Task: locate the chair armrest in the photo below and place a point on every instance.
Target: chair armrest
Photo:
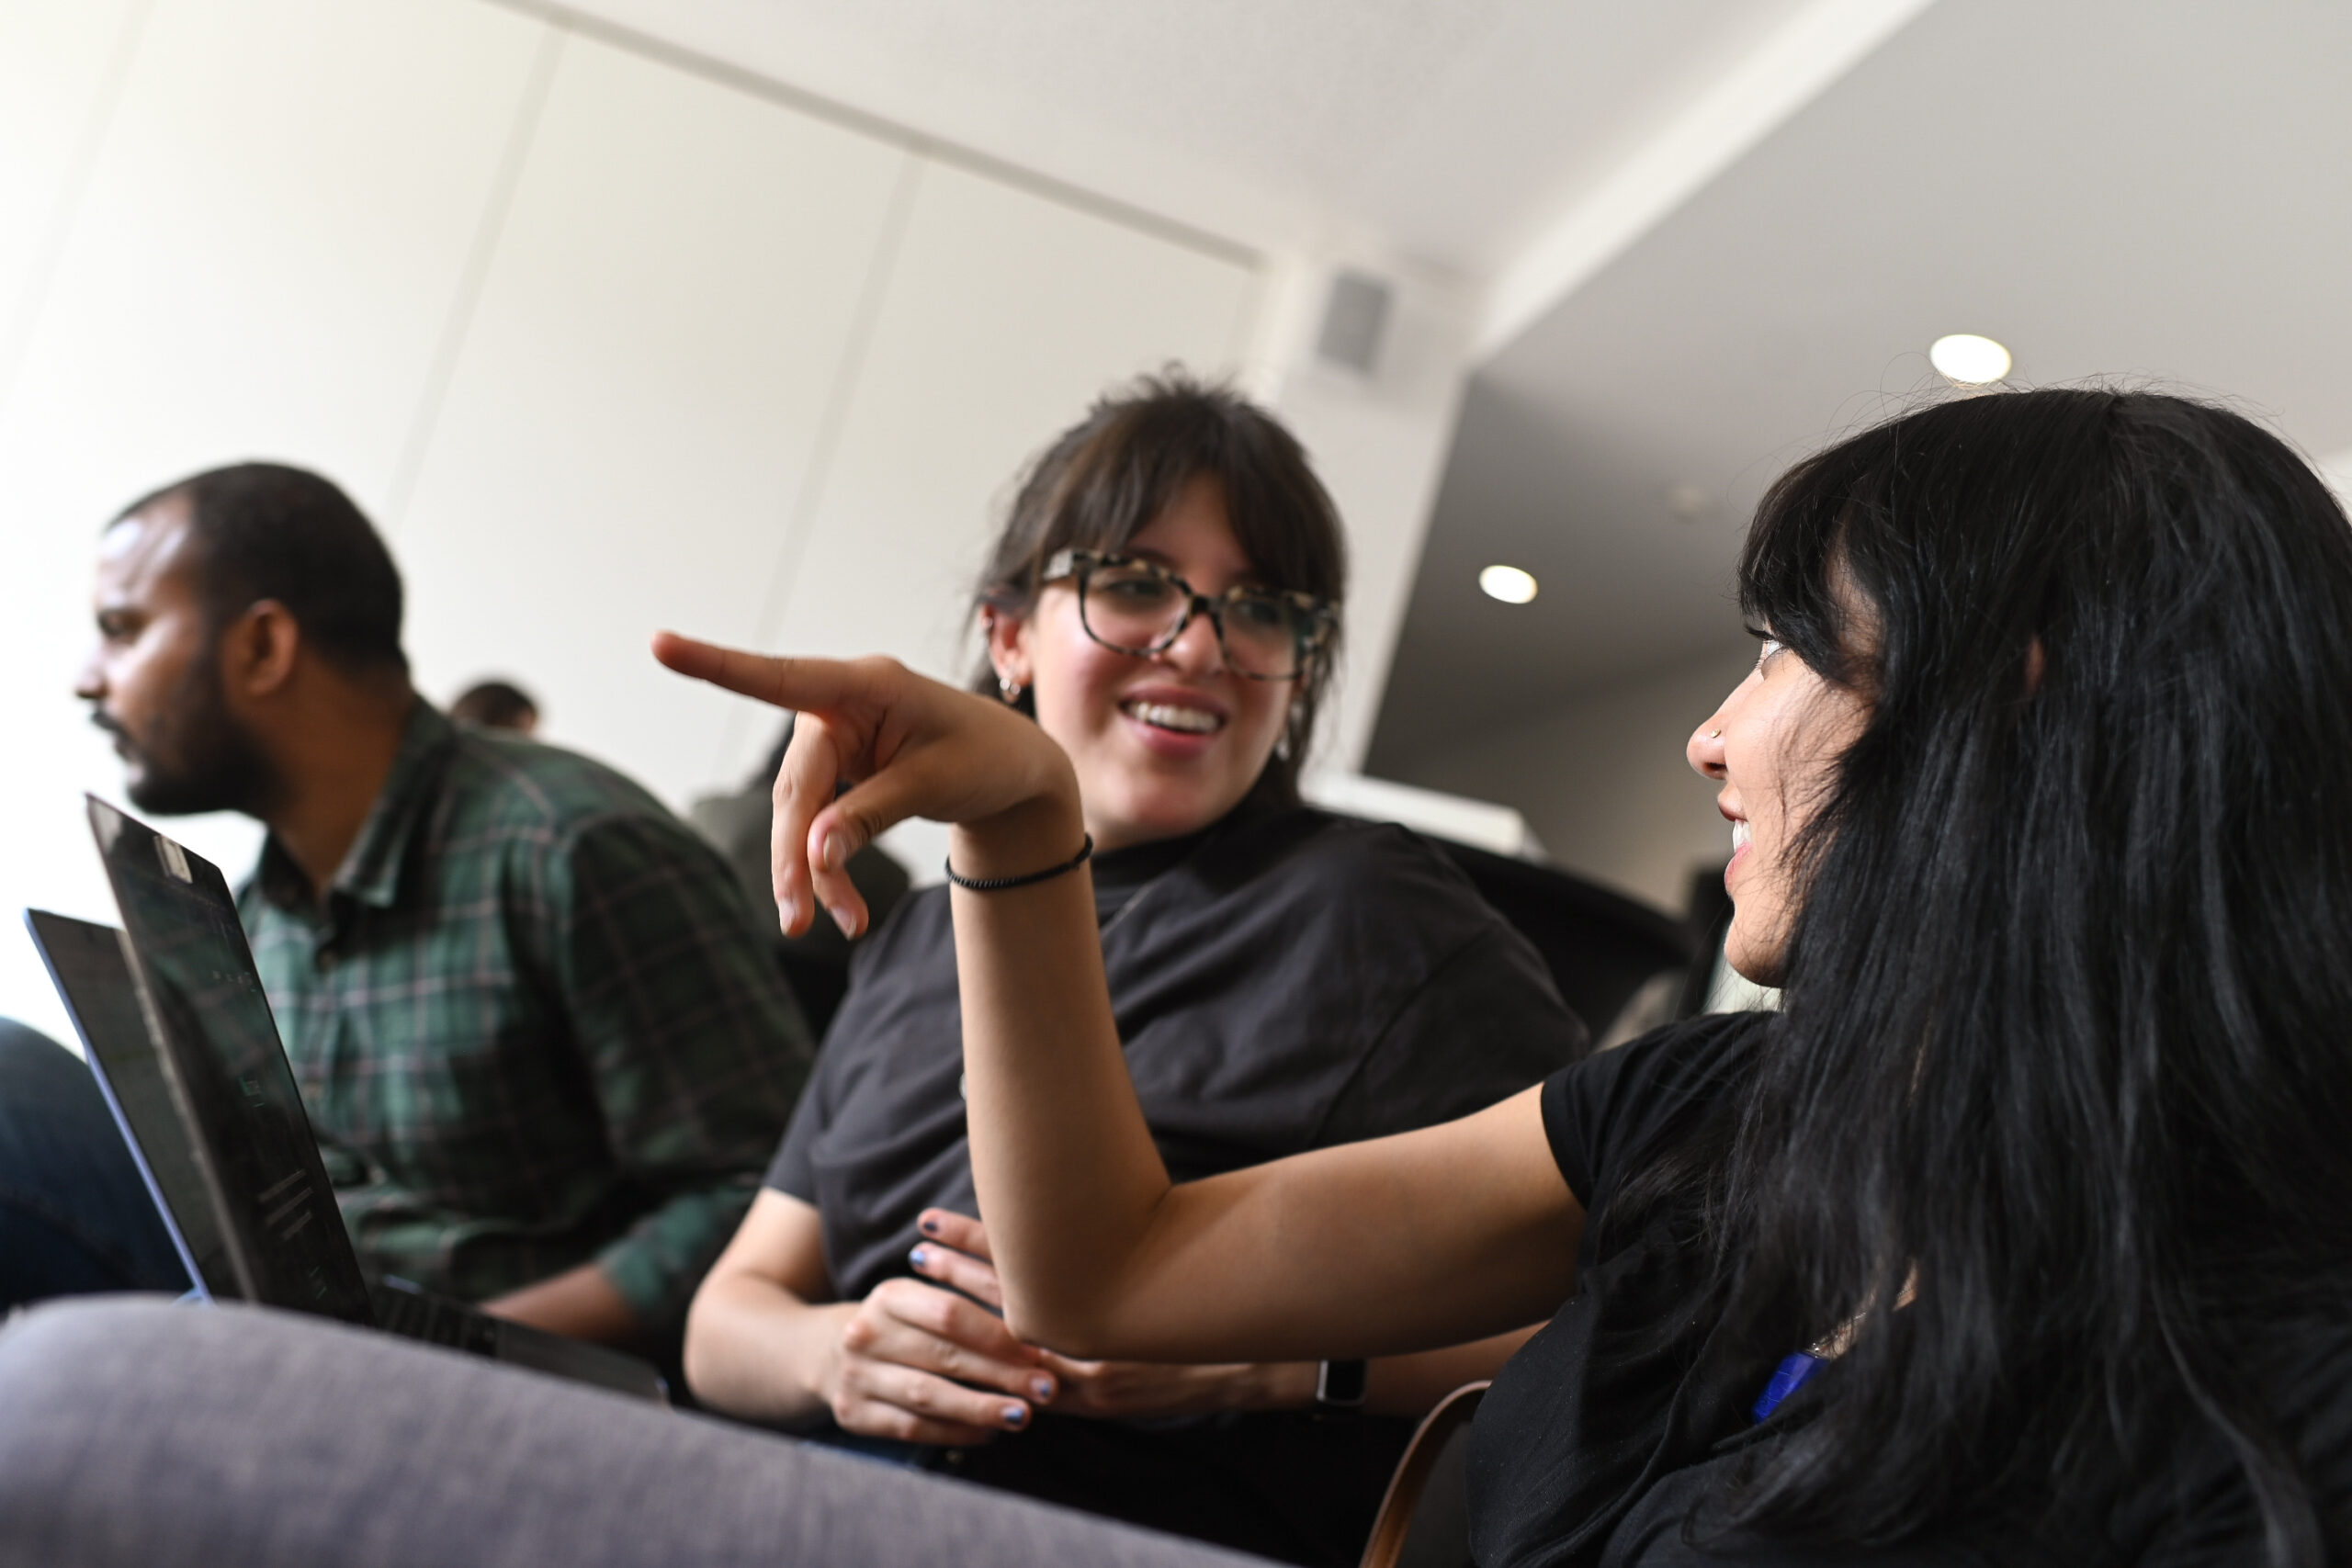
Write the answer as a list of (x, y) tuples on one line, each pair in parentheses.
[(1394, 1524)]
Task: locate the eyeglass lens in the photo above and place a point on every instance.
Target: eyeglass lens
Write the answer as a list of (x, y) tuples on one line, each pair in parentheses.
[(1136, 608)]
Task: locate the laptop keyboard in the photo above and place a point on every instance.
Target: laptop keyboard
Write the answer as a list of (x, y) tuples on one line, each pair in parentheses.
[(403, 1308)]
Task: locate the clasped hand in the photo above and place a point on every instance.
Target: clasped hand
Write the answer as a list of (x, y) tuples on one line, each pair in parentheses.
[(921, 1362)]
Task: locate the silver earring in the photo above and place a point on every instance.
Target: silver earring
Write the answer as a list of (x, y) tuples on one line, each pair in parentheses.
[(1009, 689)]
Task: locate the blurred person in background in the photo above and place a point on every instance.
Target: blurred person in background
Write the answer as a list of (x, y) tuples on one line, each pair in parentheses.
[(538, 1031), (1163, 602), (497, 704), (816, 963)]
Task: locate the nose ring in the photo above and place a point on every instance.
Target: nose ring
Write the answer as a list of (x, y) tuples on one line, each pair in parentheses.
[(1714, 735)]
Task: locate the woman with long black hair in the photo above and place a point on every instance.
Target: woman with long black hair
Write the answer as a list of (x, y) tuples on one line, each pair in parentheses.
[(2023, 1232)]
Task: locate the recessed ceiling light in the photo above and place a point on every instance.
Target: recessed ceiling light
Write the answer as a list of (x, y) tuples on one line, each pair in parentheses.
[(1507, 583), (1689, 502), (1968, 360)]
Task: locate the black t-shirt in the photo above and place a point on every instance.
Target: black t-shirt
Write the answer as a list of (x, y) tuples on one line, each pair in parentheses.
[(1603, 1435), (1284, 981)]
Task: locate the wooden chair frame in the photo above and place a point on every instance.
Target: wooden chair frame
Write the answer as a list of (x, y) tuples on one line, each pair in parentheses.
[(1394, 1524)]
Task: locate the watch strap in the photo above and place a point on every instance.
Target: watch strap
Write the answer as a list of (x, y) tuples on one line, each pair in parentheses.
[(1340, 1387)]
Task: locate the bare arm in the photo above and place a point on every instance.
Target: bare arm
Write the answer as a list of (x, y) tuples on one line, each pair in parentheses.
[(957, 1253), (1411, 1385), (580, 1301), (765, 1341), (1398, 1244), (758, 1334)]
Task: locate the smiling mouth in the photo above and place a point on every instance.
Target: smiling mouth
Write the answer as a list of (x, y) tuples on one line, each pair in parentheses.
[(1172, 715), (1739, 836)]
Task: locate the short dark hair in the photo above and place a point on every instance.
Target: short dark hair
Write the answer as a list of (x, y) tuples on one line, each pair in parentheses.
[(495, 704), (268, 531), (1106, 478)]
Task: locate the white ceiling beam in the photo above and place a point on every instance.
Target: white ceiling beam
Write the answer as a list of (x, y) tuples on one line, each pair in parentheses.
[(1800, 60)]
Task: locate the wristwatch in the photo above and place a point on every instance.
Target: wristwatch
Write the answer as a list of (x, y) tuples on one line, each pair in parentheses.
[(1338, 1388)]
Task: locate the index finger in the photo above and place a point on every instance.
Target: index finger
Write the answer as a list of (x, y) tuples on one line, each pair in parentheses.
[(785, 683), (944, 1314), (975, 1277), (803, 787)]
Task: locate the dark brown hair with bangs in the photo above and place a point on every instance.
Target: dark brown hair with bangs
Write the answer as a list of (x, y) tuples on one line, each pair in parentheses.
[(1105, 479)]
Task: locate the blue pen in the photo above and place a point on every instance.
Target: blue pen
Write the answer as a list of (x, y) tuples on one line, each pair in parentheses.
[(1792, 1373)]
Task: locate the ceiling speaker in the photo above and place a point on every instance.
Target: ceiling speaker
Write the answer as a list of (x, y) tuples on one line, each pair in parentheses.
[(1355, 320)]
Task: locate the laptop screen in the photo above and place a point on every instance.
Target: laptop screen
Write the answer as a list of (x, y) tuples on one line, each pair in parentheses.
[(93, 974), (253, 1139)]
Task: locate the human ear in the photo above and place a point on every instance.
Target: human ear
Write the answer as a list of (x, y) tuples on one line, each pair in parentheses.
[(1008, 636), (259, 648)]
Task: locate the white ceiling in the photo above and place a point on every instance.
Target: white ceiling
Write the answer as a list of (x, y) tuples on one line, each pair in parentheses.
[(2151, 189), (2155, 188), (1445, 132)]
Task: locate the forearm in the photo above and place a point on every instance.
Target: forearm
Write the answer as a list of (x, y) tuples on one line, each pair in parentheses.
[(581, 1302), (1065, 1164), (1411, 1385), (758, 1351), (1394, 1385)]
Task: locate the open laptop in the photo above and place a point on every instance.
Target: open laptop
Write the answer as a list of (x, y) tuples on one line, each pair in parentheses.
[(174, 1002)]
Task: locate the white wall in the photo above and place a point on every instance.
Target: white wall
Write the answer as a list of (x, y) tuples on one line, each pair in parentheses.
[(658, 337), (257, 257), (2337, 473), (60, 67), (1380, 443), (606, 342), (1604, 781), (960, 383)]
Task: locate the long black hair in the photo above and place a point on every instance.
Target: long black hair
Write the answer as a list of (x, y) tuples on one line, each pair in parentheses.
[(2065, 1064)]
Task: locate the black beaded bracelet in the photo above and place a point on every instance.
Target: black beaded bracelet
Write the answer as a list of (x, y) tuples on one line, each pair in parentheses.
[(999, 884)]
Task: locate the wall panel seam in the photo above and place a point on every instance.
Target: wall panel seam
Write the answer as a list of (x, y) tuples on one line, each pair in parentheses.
[(800, 520), (474, 278), (920, 144), (81, 169)]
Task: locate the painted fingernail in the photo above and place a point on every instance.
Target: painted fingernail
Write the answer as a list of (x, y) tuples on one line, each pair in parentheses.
[(1016, 1415), (919, 1258), (928, 1225), (1042, 1388)]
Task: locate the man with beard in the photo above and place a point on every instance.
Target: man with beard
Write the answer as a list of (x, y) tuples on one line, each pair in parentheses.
[(538, 1031)]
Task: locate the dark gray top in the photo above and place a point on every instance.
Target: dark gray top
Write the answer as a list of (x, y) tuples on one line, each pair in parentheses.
[(1286, 980)]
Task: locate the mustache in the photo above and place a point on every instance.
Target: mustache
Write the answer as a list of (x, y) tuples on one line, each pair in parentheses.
[(112, 725)]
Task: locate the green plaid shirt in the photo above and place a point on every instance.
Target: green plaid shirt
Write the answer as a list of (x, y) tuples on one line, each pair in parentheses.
[(535, 1023)]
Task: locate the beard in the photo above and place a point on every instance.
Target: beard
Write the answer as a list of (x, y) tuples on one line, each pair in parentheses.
[(195, 757)]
